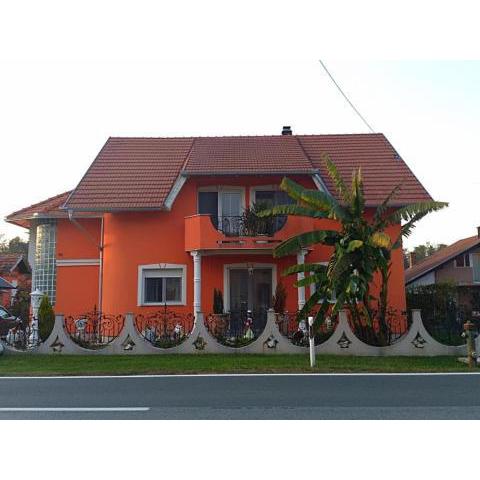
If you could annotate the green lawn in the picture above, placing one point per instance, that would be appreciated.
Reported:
(235, 363)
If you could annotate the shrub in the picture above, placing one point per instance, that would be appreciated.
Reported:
(46, 318)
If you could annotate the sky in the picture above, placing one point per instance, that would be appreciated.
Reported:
(58, 114)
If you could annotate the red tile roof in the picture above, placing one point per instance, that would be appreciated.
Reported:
(131, 173)
(245, 155)
(139, 173)
(8, 261)
(382, 168)
(439, 258)
(46, 207)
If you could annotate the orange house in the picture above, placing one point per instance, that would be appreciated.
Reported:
(159, 221)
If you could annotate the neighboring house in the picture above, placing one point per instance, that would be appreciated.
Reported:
(459, 263)
(158, 221)
(15, 270)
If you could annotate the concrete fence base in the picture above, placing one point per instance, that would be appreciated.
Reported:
(416, 342)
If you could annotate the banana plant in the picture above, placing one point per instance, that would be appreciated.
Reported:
(361, 247)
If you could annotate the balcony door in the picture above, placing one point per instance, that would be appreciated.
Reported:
(225, 206)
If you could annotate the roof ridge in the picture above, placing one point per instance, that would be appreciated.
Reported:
(195, 137)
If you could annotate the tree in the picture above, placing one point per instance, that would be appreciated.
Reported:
(14, 245)
(46, 318)
(361, 247)
(422, 251)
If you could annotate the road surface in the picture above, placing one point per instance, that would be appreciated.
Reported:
(320, 396)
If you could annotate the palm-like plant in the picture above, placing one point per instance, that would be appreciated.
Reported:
(361, 247)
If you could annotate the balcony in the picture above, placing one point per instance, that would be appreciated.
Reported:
(204, 232)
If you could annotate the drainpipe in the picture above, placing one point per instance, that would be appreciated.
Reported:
(100, 248)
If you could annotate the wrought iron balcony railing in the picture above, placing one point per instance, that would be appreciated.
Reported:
(239, 226)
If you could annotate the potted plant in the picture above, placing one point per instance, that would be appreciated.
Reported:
(253, 225)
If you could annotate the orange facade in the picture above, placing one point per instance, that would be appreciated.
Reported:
(133, 239)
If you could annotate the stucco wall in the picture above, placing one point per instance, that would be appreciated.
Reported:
(144, 238)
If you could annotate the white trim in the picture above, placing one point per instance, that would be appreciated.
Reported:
(161, 266)
(319, 183)
(197, 282)
(78, 262)
(236, 266)
(172, 195)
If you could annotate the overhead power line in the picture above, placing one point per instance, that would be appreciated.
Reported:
(346, 98)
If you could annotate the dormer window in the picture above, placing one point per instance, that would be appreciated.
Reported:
(462, 260)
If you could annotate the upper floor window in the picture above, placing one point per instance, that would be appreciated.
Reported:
(462, 260)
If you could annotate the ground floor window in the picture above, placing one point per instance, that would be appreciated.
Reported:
(161, 284)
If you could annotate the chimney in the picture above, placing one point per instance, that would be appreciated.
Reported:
(411, 259)
(478, 232)
(286, 130)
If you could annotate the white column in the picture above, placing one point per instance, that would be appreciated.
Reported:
(301, 290)
(197, 281)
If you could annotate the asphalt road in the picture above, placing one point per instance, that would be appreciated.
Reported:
(438, 396)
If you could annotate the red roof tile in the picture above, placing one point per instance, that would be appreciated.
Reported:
(48, 206)
(8, 261)
(382, 168)
(131, 173)
(440, 257)
(139, 173)
(245, 155)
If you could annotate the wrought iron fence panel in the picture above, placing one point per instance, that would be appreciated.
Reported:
(295, 328)
(94, 330)
(396, 327)
(165, 328)
(19, 334)
(237, 328)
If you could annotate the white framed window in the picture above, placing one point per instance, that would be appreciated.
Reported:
(162, 284)
(462, 261)
(222, 201)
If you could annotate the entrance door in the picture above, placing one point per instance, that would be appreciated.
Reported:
(249, 290)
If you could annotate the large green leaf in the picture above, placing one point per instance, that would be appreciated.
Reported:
(415, 210)
(353, 245)
(304, 267)
(337, 179)
(295, 244)
(296, 210)
(383, 207)
(311, 279)
(358, 199)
